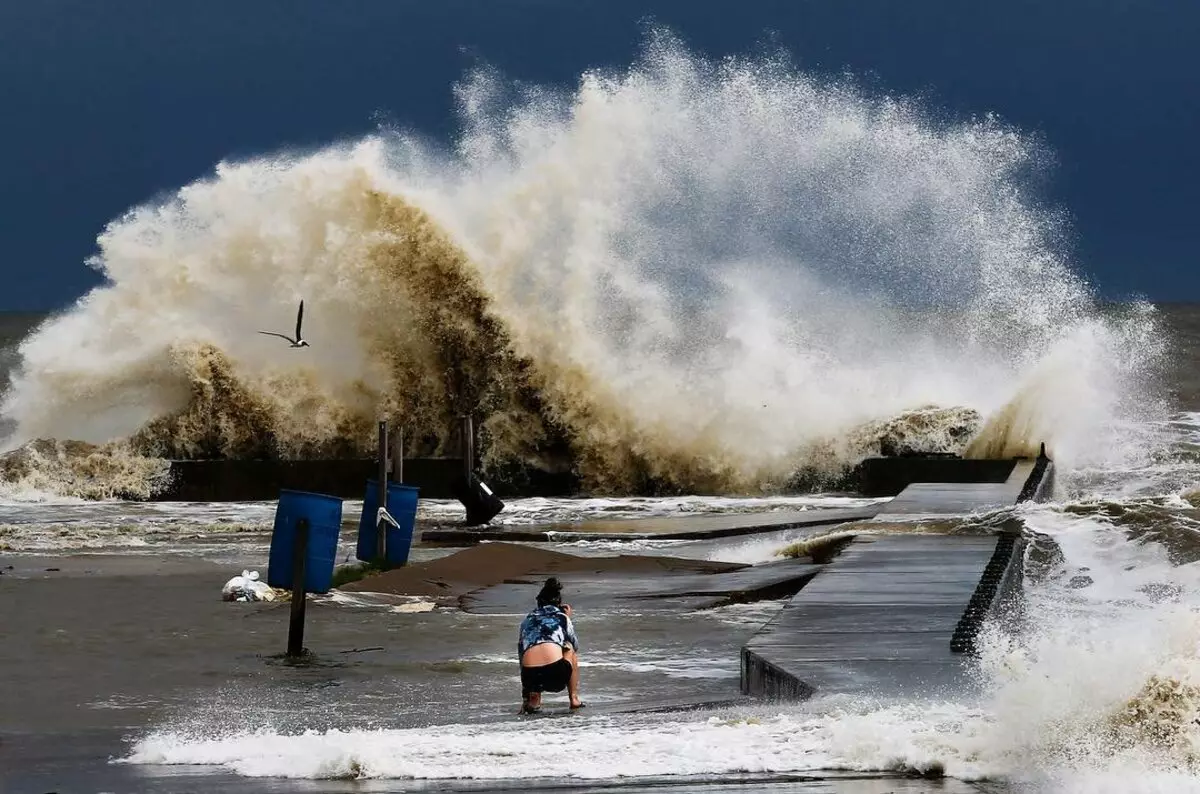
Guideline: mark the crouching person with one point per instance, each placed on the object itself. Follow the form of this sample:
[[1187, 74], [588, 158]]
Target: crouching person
[[548, 650]]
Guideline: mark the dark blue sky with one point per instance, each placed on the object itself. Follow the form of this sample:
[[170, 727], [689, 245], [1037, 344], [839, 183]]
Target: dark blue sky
[[105, 103]]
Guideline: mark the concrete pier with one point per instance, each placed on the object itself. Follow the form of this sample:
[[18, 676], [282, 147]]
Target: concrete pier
[[890, 615], [894, 614]]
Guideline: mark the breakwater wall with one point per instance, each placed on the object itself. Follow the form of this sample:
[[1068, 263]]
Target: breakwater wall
[[255, 480], [252, 480], [258, 480]]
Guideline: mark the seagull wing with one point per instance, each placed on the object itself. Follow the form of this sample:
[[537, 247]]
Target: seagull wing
[[299, 321], [281, 336]]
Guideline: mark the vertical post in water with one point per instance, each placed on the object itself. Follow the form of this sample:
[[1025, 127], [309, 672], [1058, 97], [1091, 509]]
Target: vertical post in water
[[299, 556], [380, 524], [468, 431]]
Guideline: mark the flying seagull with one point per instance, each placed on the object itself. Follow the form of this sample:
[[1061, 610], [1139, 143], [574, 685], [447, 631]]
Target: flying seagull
[[299, 340]]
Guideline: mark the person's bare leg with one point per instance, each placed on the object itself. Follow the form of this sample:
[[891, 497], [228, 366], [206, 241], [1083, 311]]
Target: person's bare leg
[[573, 683]]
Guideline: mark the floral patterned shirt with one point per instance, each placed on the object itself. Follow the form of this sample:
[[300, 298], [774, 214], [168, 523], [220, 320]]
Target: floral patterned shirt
[[546, 624]]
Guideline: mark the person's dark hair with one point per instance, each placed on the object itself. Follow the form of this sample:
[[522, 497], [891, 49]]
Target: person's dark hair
[[551, 593]]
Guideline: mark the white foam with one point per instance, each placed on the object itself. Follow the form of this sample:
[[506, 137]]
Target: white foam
[[759, 549], [754, 613], [66, 526], [388, 601], [601, 748]]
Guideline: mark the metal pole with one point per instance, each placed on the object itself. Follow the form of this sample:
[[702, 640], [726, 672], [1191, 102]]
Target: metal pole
[[299, 555], [468, 447], [398, 460], [381, 526]]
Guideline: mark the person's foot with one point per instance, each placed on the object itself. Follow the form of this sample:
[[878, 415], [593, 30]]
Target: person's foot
[[576, 703], [531, 703]]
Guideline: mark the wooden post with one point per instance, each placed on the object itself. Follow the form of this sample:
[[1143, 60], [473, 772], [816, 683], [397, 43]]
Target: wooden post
[[380, 525], [468, 431], [299, 557]]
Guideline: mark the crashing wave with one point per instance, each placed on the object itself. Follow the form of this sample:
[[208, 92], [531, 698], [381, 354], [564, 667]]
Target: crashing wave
[[81, 470], [689, 275]]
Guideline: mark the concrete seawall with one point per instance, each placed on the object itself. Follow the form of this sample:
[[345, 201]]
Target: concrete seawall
[[258, 480], [261, 480]]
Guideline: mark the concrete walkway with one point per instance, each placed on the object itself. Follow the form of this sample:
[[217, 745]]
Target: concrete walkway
[[934, 500], [892, 614], [879, 620]]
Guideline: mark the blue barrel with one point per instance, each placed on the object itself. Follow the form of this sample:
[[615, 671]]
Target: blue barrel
[[402, 504], [324, 514]]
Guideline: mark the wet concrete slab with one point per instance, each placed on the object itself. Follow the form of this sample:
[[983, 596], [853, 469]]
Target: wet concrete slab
[[648, 592], [835, 591], [756, 582], [806, 618], [896, 643], [920, 565], [839, 582], [666, 528], [949, 500], [908, 546], [880, 626]]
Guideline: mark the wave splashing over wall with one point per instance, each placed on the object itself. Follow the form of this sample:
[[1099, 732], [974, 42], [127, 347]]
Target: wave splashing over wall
[[687, 274]]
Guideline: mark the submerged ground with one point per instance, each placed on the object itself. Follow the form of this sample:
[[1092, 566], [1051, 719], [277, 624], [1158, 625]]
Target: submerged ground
[[121, 655], [122, 670]]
